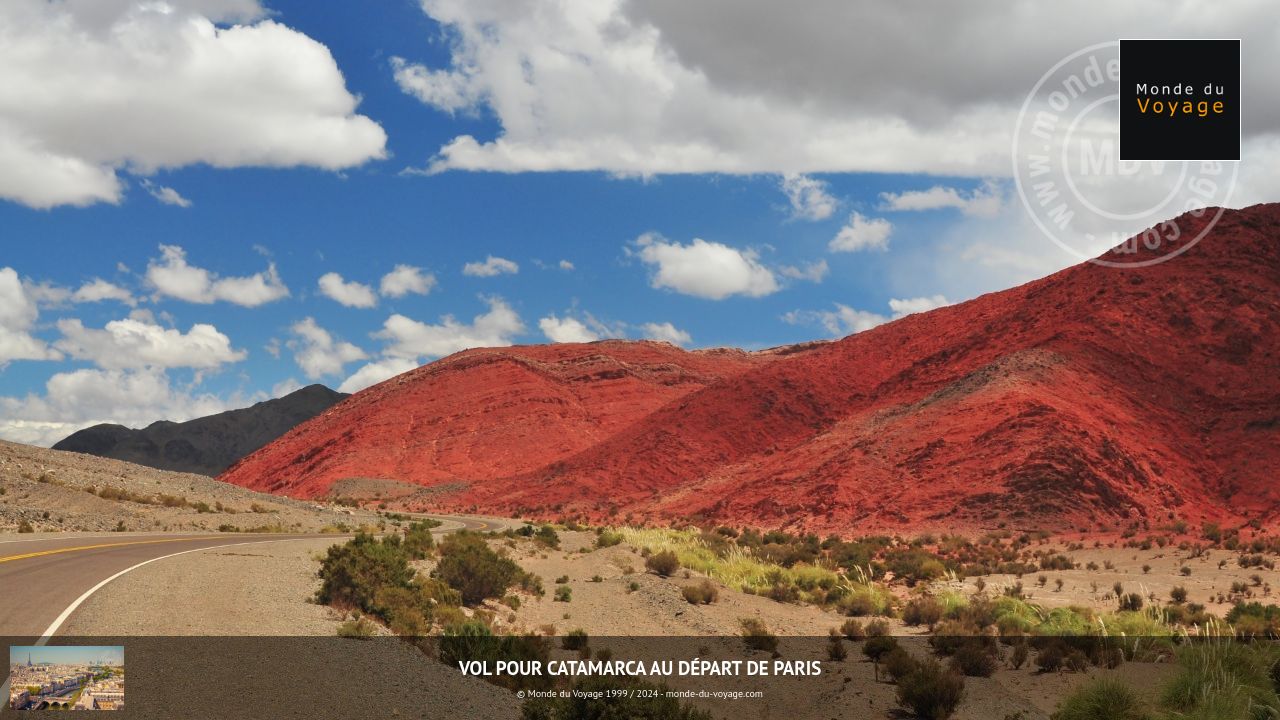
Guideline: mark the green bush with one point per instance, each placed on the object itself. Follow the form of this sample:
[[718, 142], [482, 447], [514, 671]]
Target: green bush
[[473, 640], [418, 542], [756, 635], [974, 658], [353, 573], [469, 566], [836, 650], [546, 535], [898, 663], [931, 691], [1102, 699], [664, 563], [617, 699], [564, 593], [878, 646], [608, 538]]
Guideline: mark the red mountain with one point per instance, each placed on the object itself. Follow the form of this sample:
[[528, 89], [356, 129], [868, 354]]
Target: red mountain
[[1094, 397]]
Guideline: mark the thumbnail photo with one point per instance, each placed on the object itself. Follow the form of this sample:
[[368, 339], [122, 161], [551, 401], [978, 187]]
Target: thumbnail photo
[[71, 677]]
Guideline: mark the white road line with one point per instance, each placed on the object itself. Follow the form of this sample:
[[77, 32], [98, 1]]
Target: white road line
[[48, 633]]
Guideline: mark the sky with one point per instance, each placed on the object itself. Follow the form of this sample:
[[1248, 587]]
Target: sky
[[209, 203], [66, 654]]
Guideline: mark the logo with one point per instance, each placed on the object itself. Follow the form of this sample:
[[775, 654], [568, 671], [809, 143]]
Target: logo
[[1077, 188]]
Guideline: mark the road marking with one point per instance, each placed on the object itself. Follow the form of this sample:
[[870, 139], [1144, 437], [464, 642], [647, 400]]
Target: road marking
[[55, 551], [53, 628]]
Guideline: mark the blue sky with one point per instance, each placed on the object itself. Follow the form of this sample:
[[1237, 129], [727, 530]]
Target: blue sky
[[627, 178], [66, 654]]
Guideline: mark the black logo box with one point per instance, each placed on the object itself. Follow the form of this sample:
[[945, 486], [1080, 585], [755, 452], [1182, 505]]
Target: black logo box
[[1186, 67]]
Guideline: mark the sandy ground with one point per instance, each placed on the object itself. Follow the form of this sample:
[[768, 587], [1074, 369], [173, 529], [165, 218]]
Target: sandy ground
[[48, 490], [1204, 583], [266, 589]]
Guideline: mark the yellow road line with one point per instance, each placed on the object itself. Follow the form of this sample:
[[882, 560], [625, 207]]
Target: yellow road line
[[56, 551]]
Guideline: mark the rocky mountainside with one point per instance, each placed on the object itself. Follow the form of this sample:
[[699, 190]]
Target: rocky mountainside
[[207, 445], [1094, 398]]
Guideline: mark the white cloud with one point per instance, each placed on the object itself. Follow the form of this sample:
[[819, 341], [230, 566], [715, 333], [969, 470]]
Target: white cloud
[[285, 387], [318, 353], [809, 197], [408, 341], [349, 294], [844, 320], [862, 233], [566, 330], [813, 272], [93, 88], [664, 86], [566, 265], [490, 267], [405, 279], [172, 276], [666, 332], [75, 400], [408, 338], [911, 306], [18, 314], [375, 372], [125, 344], [985, 201], [97, 290], [705, 269], [166, 195]]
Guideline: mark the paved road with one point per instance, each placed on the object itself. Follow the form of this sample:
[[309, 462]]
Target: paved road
[[43, 579]]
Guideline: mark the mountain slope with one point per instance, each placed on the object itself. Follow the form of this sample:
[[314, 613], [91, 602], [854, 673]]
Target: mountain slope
[[207, 445], [1096, 396]]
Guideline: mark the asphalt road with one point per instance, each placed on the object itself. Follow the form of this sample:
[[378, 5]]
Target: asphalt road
[[43, 579]]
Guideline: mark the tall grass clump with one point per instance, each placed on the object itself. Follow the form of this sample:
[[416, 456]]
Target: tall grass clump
[[1224, 678]]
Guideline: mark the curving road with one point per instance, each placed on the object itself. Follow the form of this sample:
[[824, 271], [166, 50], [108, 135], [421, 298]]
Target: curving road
[[44, 579]]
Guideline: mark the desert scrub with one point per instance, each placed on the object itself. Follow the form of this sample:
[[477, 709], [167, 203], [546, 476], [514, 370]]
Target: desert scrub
[[703, 593], [564, 593], [1224, 678], [468, 565], [756, 636], [663, 563], [358, 628], [1103, 699], [931, 690]]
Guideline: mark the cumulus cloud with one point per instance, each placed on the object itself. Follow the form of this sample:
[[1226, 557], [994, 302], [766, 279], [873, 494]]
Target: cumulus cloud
[[490, 267], [704, 269], [665, 332], [813, 272], [566, 330], [844, 320], [98, 290], [862, 233], [406, 279], [408, 341], [172, 276], [664, 86], [129, 343], [18, 314], [166, 195], [984, 201], [93, 88], [566, 265], [318, 353], [809, 197], [80, 398], [375, 372], [349, 294]]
